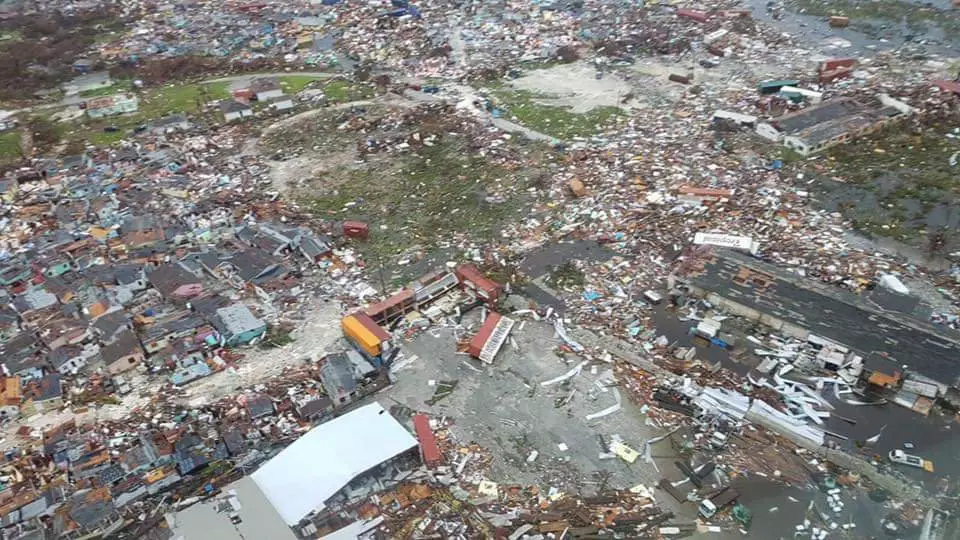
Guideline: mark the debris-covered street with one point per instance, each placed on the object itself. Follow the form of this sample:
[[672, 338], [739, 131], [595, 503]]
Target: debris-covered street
[[430, 269]]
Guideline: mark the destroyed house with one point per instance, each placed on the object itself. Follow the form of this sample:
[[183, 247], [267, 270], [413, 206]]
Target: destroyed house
[[472, 280], [341, 375], [112, 105], [123, 354], [795, 306], [174, 282], [88, 513], [257, 267], [265, 89], [235, 110], [834, 122], [259, 406], [315, 248], [393, 307], [237, 325], [429, 451], [315, 408], [23, 356]]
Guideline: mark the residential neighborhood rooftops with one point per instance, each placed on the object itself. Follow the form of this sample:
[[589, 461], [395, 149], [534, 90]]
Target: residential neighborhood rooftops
[[233, 105], [261, 85]]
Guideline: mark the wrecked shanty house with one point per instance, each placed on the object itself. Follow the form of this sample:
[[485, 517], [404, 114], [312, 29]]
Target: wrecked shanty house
[[123, 353], [237, 325], [344, 376], [794, 306], [834, 122], [265, 89], [233, 109], [174, 282], [88, 83], [474, 282], [112, 105], [170, 124]]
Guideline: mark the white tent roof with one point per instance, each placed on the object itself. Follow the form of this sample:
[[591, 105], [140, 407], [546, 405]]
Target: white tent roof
[[315, 467]]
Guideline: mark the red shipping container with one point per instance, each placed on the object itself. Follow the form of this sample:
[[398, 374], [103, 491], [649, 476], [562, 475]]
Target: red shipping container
[[947, 86], [835, 63], [698, 16], [356, 229], [839, 73], [479, 340], [429, 450], [471, 278]]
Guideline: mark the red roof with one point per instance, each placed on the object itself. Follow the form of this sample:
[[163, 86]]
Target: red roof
[[479, 340], [428, 441], [692, 14], [469, 272], [379, 308], [948, 86], [834, 63], [372, 326]]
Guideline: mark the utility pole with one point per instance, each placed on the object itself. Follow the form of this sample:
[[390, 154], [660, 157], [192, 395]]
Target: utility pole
[[383, 282]]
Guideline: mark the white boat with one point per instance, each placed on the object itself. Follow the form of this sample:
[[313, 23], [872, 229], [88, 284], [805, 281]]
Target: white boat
[[903, 458]]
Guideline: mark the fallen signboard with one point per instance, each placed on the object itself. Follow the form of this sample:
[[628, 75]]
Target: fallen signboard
[[726, 240]]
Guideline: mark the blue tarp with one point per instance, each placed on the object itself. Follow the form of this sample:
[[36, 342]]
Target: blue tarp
[[330, 2]]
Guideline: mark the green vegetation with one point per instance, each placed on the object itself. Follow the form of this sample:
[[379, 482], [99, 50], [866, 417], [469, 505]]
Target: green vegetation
[[10, 36], [9, 146], [913, 15], [341, 91], [276, 337], [427, 197], [155, 103], [789, 155], [566, 276], [895, 179], [159, 102], [293, 84], [560, 122]]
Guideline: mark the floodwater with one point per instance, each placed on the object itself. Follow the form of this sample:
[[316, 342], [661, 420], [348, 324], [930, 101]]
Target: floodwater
[[933, 437], [862, 36], [777, 509], [539, 262]]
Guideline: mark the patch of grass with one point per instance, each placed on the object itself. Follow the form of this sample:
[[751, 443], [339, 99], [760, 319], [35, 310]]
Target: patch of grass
[[789, 155], [559, 122], [425, 198], [155, 103], [566, 276], [117, 88], [341, 91], [10, 146], [293, 84], [276, 338], [160, 102], [10, 36]]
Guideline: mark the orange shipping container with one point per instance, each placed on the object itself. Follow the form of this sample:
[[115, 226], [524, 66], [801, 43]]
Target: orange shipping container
[[364, 333]]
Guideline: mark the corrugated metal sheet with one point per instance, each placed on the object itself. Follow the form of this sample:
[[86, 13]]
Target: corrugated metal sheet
[[428, 441]]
